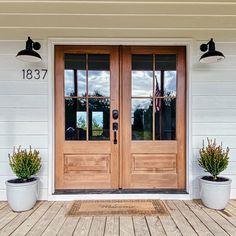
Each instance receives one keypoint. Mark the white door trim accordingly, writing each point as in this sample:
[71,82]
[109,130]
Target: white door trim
[188,42]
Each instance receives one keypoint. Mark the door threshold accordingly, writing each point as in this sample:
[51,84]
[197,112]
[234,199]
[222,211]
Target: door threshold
[119,191]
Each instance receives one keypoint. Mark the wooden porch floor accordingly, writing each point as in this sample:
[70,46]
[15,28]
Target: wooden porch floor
[186,218]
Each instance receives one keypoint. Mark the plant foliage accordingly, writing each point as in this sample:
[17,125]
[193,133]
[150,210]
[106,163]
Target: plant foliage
[25,163]
[213,158]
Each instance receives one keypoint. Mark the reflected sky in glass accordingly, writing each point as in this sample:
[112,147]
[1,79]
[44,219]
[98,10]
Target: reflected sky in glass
[142,83]
[99,83]
[69,83]
[81,81]
[142,104]
[169,83]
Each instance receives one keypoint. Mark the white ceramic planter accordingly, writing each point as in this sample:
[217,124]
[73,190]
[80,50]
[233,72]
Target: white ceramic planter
[215,195]
[22,196]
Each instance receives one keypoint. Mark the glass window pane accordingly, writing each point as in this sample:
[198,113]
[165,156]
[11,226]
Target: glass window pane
[99,75]
[142,75]
[81,83]
[99,119]
[165,75]
[165,119]
[75,119]
[142,119]
[75,74]
[69,83]
[165,62]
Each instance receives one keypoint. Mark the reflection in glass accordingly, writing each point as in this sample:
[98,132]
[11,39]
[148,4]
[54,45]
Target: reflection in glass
[165,83]
[99,75]
[75,119]
[142,75]
[99,119]
[165,62]
[81,83]
[142,119]
[165,119]
[69,83]
[75,74]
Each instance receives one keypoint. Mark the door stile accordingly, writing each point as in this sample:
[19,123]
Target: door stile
[114,87]
[59,119]
[126,119]
[181,118]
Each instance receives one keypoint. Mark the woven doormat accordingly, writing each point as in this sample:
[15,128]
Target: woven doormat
[118,207]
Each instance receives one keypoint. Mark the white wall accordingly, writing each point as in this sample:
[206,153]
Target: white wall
[23,111]
[213,108]
[24,108]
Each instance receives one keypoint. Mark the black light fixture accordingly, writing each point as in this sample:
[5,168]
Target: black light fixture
[28,54]
[211,56]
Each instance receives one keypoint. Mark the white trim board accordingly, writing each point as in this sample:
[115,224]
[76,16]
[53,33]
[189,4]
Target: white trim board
[188,42]
[72,197]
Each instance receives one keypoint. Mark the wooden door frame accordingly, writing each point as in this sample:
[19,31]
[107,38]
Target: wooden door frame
[52,42]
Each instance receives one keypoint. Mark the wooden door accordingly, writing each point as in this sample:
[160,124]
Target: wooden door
[86,93]
[153,118]
[149,84]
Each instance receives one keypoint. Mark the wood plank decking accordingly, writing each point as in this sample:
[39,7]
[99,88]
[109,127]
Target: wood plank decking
[186,218]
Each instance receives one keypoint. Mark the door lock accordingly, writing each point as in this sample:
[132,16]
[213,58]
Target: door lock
[115,114]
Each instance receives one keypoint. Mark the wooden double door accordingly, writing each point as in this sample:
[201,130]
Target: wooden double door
[119,117]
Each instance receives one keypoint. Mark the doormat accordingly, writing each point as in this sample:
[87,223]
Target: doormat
[118,207]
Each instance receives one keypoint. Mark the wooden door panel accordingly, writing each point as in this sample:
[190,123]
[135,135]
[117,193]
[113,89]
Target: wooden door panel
[155,162]
[154,181]
[86,156]
[85,163]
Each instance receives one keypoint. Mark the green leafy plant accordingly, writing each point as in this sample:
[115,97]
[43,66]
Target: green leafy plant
[213,158]
[25,163]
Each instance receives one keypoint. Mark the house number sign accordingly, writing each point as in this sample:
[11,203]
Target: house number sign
[34,74]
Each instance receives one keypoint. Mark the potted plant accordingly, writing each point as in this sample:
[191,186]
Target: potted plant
[214,190]
[22,192]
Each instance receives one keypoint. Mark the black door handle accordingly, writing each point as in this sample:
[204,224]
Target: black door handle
[115,128]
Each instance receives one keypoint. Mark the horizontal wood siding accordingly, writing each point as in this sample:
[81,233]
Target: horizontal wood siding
[213,108]
[23,112]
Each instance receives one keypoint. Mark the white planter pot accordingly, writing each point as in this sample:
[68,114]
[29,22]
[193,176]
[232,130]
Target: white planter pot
[214,194]
[22,196]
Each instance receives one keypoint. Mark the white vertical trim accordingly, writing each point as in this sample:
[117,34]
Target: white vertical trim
[51,120]
[120,41]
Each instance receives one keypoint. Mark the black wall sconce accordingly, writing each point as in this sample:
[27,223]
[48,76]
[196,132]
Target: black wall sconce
[211,55]
[28,54]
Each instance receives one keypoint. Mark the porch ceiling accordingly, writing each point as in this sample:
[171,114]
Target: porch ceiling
[134,18]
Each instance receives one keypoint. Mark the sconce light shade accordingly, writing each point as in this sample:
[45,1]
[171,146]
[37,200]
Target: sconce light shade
[28,54]
[211,56]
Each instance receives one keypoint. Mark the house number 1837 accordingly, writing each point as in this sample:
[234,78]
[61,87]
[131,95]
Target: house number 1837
[34,74]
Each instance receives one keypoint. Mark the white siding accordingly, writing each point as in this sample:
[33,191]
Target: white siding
[23,112]
[213,109]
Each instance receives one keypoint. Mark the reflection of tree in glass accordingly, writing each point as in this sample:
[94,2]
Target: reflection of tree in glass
[81,123]
[96,129]
[142,123]
[72,130]
[168,100]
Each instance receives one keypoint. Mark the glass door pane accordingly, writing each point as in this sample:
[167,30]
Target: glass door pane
[87,96]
